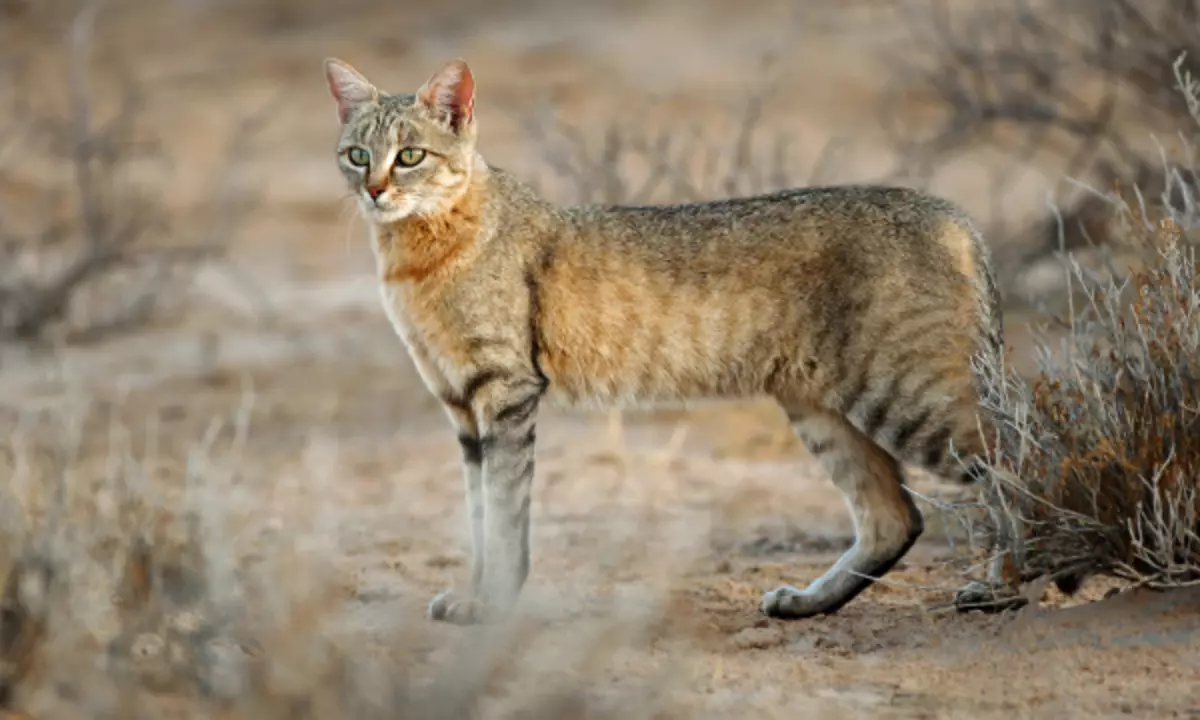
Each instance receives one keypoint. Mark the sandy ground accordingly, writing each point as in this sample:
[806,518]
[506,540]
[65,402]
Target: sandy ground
[683,517]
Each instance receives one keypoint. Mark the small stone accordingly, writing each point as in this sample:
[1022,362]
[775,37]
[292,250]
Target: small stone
[803,645]
[757,638]
[147,646]
[187,622]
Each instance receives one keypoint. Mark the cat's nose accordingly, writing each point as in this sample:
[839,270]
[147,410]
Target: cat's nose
[376,190]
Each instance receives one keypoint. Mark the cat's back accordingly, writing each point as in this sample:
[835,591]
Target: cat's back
[862,230]
[812,216]
[703,298]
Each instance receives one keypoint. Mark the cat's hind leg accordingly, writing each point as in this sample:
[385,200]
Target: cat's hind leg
[886,520]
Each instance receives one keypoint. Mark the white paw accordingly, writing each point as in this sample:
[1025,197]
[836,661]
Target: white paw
[456,610]
[788,603]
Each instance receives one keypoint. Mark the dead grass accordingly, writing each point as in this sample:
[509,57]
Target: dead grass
[148,580]
[1098,460]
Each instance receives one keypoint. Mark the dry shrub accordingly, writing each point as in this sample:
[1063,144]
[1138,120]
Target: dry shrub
[1097,466]
[161,578]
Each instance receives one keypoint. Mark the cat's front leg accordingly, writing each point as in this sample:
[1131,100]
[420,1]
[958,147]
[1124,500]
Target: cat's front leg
[450,606]
[507,426]
[505,408]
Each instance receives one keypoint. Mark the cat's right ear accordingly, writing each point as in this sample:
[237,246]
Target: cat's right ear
[450,92]
[348,87]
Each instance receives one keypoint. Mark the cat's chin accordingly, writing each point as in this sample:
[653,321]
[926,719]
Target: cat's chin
[387,215]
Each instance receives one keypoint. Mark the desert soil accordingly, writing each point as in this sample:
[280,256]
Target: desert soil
[685,517]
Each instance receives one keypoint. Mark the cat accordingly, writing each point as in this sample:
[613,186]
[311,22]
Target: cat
[860,309]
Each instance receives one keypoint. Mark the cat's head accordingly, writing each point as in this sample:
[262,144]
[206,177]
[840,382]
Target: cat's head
[405,155]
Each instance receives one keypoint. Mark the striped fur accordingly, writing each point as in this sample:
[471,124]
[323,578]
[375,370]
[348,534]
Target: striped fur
[858,308]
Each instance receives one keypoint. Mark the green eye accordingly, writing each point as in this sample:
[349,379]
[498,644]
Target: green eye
[408,157]
[358,157]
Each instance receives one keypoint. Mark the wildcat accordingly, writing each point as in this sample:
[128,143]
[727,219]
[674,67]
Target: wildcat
[860,309]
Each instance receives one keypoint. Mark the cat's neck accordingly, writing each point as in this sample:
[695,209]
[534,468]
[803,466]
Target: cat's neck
[495,204]
[418,247]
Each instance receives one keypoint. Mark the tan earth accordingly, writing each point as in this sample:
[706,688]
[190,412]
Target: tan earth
[655,533]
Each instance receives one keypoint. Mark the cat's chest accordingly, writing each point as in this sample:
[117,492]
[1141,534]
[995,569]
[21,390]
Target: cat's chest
[419,320]
[432,331]
[397,306]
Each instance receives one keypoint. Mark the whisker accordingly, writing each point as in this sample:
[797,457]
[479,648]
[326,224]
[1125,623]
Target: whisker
[353,216]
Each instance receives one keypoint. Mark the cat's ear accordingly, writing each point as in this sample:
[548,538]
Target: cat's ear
[348,87]
[450,92]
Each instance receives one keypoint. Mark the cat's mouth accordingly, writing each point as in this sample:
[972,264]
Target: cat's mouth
[387,208]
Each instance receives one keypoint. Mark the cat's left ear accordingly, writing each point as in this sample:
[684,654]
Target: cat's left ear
[450,92]
[348,87]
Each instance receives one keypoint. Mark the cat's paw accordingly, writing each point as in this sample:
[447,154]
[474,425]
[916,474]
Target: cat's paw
[789,603]
[455,609]
[988,598]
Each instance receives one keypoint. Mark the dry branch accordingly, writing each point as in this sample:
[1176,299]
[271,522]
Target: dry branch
[93,226]
[650,156]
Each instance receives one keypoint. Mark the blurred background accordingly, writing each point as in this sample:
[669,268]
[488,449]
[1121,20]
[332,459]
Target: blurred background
[175,238]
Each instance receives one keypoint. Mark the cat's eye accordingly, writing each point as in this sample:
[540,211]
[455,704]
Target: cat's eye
[410,157]
[358,157]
